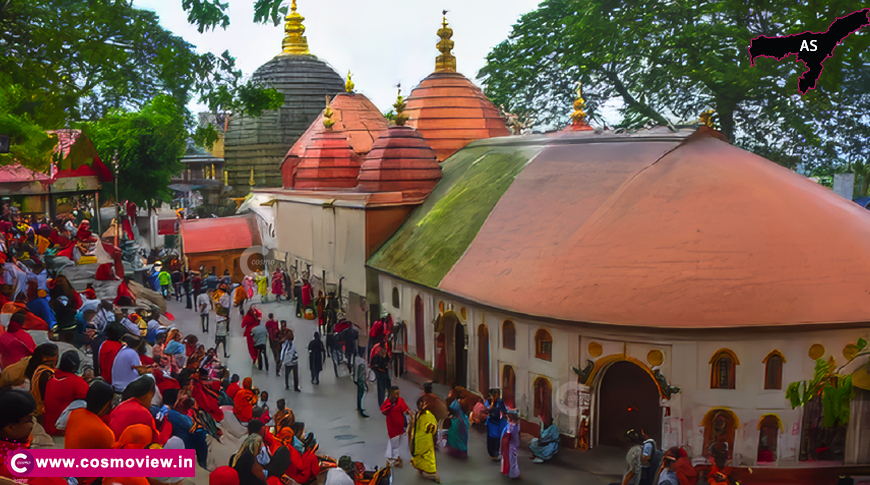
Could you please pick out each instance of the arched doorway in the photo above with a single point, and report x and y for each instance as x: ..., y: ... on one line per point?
x: 419, y: 328
x: 720, y: 426
x: 628, y: 398
x: 768, y: 438
x: 483, y: 359
x: 544, y: 399
x: 460, y: 359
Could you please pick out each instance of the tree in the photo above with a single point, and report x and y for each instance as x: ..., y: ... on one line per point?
x: 149, y: 144
x: 30, y: 145
x: 227, y: 95
x: 668, y: 62
x: 834, y: 388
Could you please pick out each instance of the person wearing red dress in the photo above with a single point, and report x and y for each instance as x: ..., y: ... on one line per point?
x: 15, y: 343
x: 134, y: 409
x: 206, y: 397
x: 244, y: 400
x: 233, y: 388
x: 251, y: 320
x: 110, y: 348
x: 62, y: 389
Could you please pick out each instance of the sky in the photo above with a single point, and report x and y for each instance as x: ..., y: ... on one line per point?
x: 383, y: 42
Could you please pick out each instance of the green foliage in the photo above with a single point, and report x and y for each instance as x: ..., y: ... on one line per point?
x: 835, y: 390
x: 30, y: 145
x: 206, y: 14
x: 670, y: 61
x: 80, y: 59
x: 227, y: 94
x: 149, y: 144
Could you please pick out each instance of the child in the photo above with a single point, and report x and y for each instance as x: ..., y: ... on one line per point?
x: 264, y: 403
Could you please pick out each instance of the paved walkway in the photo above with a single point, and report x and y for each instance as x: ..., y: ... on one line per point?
x: 329, y: 411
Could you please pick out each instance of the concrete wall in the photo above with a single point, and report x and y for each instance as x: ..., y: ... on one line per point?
x: 331, y: 239
x: 686, y: 364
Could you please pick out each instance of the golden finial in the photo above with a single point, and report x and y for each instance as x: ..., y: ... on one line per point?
x: 295, y: 43
x: 707, y: 118
x: 328, y: 122
x: 579, y: 116
x: 212, y: 172
x: 348, y: 86
x: 400, y: 106
x: 251, y: 182
x: 446, y: 62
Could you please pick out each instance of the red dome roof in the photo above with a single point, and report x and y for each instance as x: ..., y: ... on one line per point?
x: 328, y: 163
x: 355, y: 116
x: 451, y: 112
x: 400, y: 160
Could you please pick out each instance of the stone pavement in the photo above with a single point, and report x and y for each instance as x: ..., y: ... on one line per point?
x: 329, y: 411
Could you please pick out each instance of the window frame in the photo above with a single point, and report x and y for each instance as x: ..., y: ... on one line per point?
x: 768, y: 362
x: 504, y: 333
x: 397, y: 302
x: 543, y: 338
x: 716, y: 367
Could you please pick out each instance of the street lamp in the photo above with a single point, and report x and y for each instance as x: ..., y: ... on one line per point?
x: 4, y: 144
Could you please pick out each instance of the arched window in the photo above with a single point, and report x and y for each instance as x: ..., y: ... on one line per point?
x: 396, y: 301
x: 508, y: 335
x: 773, y: 370
x: 543, y: 345
x: 722, y: 369
x: 509, y: 386
x: 463, y: 313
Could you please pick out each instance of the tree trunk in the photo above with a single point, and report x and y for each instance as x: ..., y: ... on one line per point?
x: 726, y: 121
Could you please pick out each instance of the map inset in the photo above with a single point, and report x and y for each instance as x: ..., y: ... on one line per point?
x: 811, y: 48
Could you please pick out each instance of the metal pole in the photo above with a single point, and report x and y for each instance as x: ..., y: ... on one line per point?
x: 117, y: 203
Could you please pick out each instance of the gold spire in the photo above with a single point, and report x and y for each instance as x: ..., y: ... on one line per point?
x: 295, y: 43
x: 707, y: 118
x: 348, y: 86
x: 251, y: 182
x: 446, y: 62
x: 327, y: 116
x: 579, y: 116
x: 400, y: 106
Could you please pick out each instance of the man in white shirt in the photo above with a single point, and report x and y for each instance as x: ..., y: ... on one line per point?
x: 290, y: 359
x: 205, y: 305
x: 127, y: 366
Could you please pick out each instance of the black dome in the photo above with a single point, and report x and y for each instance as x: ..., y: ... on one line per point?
x: 263, y: 142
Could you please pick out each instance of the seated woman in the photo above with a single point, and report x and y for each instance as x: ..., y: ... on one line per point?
x: 184, y: 427
x: 16, y: 426
x: 62, y: 389
x: 134, y: 409
x: 244, y: 401
x: 547, y: 445
x: 245, y: 463
x: 40, y: 370
x: 85, y: 429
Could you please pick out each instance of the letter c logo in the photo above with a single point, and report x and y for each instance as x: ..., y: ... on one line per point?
x: 21, y: 463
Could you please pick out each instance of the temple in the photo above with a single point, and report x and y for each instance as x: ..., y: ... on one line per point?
x: 255, y: 147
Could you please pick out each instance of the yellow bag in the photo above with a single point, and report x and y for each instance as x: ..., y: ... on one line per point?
x: 309, y: 314
x: 87, y: 260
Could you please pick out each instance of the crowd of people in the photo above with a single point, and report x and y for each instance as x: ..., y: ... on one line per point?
x: 87, y: 373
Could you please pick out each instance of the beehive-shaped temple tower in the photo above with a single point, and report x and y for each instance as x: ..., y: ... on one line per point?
x: 448, y: 109
x: 260, y: 144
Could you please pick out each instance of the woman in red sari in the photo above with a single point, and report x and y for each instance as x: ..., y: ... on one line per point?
x: 62, y: 389
x: 206, y: 397
x: 251, y: 320
x: 244, y: 401
x: 135, y: 410
x: 278, y: 284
